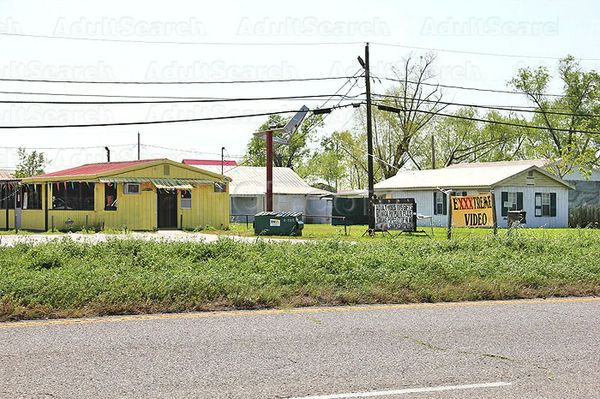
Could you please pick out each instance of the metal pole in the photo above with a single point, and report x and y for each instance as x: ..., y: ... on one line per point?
x: 138, y: 146
x: 222, y: 160
x: 107, y: 154
x: 449, y: 200
x: 269, y: 197
x: 369, y: 140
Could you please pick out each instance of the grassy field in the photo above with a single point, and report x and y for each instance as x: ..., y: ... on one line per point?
x: 69, y: 279
x: 353, y: 233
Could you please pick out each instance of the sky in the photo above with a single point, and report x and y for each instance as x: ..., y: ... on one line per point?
x: 242, y: 40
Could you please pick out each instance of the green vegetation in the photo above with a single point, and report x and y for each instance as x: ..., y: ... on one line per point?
x: 69, y: 279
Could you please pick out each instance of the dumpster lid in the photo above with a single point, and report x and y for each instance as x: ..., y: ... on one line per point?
x: 279, y: 214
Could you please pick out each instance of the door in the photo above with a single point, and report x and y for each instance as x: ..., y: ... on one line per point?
x: 167, y: 209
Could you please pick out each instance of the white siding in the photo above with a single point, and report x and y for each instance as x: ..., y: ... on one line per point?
x: 562, y: 206
x: 424, y: 200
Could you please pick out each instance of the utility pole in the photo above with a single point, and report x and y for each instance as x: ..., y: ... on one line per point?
x: 371, y: 178
x: 138, y: 147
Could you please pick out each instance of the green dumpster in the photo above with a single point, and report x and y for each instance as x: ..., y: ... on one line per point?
x: 278, y: 224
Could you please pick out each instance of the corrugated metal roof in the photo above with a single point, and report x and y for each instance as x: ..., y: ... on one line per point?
x: 250, y: 180
x: 96, y: 168
x: 7, y: 174
x: 469, y: 175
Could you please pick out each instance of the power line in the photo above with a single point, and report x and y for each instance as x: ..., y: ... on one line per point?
x: 441, y: 50
x: 176, y: 42
x: 188, y: 150
x: 497, y: 108
x: 462, y: 87
x: 214, y: 118
x: 174, y: 82
x: 396, y: 110
x: 66, y: 148
x: 213, y: 100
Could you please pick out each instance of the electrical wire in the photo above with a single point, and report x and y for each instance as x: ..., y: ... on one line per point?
x: 462, y: 87
x: 213, y: 100
x: 442, y: 50
x: 213, y: 118
x: 111, y: 40
x: 384, y: 107
x: 497, y: 108
x: 175, y: 82
x: 66, y: 148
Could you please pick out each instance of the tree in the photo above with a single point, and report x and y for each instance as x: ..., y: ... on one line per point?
x: 290, y: 156
x: 418, y: 102
x: 458, y: 140
x: 30, y: 164
x: 579, y: 104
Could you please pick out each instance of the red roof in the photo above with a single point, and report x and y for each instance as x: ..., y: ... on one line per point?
x: 209, y: 162
x: 96, y: 168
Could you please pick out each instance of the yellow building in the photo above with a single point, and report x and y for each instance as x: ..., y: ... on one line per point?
x: 135, y: 195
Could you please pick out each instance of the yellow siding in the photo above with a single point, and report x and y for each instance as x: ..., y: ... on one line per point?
x: 138, y: 211
x: 539, y: 179
x: 208, y: 208
x: 11, y: 219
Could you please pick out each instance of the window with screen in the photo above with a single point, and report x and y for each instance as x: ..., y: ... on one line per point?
x: 511, y: 201
x: 186, y: 199
x: 110, y: 196
x: 440, y: 205
x: 545, y: 204
x: 77, y: 196
x: 7, y: 196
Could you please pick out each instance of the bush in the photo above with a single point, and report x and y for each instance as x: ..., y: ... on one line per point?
x: 585, y: 216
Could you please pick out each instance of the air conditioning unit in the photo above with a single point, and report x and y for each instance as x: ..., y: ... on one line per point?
x: 132, y: 188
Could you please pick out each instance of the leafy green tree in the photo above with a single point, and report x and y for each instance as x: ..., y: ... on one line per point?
x: 291, y: 155
x: 576, y: 109
x: 30, y: 164
x: 457, y: 140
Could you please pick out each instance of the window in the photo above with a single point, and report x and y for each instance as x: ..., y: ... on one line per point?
x: 110, y: 196
x: 7, y: 197
x: 220, y: 187
x: 186, y: 199
x: 32, y: 196
x: 440, y: 205
x: 77, y: 196
x: 545, y: 204
x: 459, y: 193
x: 132, y: 188
x: 530, y: 178
x: 511, y: 201
x: 167, y: 170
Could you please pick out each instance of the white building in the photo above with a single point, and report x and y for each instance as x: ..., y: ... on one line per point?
x: 517, y: 185
x: 290, y: 192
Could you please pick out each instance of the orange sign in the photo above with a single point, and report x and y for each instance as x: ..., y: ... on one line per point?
x: 472, y: 210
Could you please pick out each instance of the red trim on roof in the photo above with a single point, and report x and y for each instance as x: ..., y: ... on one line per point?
x: 209, y: 162
x: 96, y: 168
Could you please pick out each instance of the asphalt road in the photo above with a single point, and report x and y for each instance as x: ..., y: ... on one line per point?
x: 522, y: 349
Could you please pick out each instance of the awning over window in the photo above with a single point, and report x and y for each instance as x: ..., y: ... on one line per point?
x: 162, y: 183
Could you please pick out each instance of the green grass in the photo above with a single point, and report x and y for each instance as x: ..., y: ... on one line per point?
x: 353, y: 233
x: 70, y: 279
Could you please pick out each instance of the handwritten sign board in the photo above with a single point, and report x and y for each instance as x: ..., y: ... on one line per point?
x: 472, y: 210
x: 395, y: 214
